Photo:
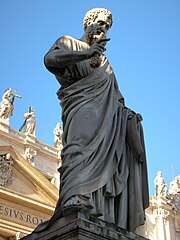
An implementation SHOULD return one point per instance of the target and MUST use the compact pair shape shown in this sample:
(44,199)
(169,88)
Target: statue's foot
(96,215)
(75,204)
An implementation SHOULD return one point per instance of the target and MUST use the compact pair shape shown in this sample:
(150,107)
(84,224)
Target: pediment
(20,180)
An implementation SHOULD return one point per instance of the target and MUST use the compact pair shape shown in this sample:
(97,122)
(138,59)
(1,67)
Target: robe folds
(102,143)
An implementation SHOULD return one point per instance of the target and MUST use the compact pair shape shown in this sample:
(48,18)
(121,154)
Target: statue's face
(159,173)
(98,28)
(8,93)
(103,22)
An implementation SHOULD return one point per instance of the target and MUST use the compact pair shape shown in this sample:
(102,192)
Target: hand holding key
(96,51)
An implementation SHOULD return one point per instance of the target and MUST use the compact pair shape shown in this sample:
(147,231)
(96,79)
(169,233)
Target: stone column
(161,221)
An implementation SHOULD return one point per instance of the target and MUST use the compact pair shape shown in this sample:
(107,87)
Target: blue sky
(144,52)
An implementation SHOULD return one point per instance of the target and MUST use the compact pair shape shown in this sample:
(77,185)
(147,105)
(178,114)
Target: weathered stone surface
(83,227)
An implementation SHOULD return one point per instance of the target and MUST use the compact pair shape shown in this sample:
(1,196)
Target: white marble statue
(58,136)
(175,186)
(161,186)
(30,122)
(6,106)
(30,155)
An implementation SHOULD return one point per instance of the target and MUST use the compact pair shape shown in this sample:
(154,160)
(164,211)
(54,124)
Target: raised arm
(61,58)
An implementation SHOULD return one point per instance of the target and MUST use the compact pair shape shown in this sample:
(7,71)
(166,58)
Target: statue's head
(97,14)
(7,92)
(159,173)
(177,179)
(31,109)
(97,22)
(58,125)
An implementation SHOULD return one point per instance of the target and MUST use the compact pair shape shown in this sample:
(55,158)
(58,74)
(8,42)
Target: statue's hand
(97,48)
(103,41)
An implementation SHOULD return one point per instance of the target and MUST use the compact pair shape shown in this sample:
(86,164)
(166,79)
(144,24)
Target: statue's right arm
(58,58)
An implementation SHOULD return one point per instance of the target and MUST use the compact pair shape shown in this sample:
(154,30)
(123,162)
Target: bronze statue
(103,169)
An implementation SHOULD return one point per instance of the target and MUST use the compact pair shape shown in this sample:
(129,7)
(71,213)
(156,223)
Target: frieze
(19,215)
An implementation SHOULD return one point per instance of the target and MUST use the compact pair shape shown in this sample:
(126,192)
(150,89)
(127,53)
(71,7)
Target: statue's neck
(84,39)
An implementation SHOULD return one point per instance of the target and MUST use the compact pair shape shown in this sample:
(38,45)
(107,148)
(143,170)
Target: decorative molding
(44,188)
(161,213)
(173,200)
(30,154)
(15,237)
(6,162)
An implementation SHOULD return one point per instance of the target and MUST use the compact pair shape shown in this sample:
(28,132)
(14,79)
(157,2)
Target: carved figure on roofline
(175,186)
(6,107)
(29,124)
(161,186)
(7,104)
(58,136)
(103,170)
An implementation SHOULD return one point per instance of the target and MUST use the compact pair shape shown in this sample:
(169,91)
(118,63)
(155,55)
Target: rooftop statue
(29,124)
(175,186)
(7,103)
(103,170)
(161,186)
(58,136)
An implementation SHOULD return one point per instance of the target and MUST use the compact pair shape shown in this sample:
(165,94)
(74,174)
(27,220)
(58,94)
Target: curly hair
(92,14)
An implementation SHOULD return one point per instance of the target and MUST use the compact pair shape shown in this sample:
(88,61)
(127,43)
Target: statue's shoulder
(65,39)
(66,42)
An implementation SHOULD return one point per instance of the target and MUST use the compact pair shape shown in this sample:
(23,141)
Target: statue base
(79,226)
(4,125)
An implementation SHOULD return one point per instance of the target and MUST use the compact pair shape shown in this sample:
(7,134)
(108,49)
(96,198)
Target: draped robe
(101,144)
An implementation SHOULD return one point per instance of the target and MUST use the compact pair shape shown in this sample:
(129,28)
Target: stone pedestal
(79,226)
(4,125)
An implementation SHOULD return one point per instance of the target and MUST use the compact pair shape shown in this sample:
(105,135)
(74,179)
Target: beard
(93,33)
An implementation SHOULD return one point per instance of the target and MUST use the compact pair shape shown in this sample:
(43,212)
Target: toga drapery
(102,142)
